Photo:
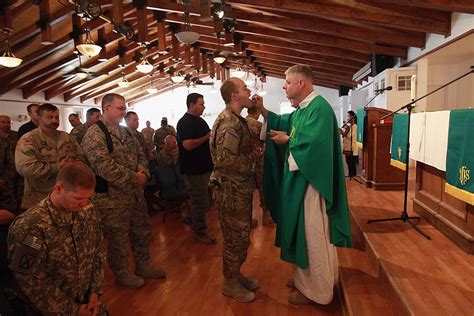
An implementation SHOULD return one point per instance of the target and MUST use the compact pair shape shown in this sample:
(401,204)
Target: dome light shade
(239,73)
(177,78)
(144,66)
(8,59)
(81,75)
(123,83)
(219,57)
(187,37)
(152,90)
(90,50)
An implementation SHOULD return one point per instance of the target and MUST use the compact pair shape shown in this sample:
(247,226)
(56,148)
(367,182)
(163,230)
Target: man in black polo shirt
(196,164)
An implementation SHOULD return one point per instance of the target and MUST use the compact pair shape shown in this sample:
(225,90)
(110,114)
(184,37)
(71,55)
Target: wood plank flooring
(194,276)
(392,270)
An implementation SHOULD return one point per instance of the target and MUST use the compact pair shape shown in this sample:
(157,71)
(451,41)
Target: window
(404,83)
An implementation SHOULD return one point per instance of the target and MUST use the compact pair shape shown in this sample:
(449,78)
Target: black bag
(101,185)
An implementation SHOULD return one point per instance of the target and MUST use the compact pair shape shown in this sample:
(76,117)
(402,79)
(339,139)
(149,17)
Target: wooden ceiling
(334,37)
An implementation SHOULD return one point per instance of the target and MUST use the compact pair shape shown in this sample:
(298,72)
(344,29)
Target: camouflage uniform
(37,159)
(57,259)
(255,128)
(122,209)
(233,183)
(79,132)
(7,174)
(160,135)
(141,140)
(167,158)
(148,132)
(18,183)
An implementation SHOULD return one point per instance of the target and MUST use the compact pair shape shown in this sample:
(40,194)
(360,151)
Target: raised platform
(392,270)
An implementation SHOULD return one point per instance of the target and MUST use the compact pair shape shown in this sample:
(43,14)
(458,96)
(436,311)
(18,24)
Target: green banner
(398,155)
(460,156)
(360,127)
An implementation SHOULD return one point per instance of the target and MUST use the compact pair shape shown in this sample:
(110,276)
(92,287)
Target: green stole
(315,146)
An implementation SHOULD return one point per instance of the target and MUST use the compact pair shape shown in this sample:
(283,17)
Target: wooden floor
(392,270)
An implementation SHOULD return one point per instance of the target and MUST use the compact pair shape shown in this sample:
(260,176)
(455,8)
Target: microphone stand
(409,107)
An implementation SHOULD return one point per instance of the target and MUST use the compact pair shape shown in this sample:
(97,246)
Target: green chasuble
(315,145)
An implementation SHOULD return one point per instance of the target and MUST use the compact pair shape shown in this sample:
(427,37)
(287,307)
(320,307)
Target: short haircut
(227,88)
(73,114)
(76,175)
(193,98)
(46,107)
(91,111)
(129,114)
(109,98)
(30,106)
(5,117)
(301,69)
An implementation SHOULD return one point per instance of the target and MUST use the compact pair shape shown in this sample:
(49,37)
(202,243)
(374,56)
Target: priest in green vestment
(305,189)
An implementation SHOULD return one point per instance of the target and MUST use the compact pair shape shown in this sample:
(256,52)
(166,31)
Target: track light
(217,11)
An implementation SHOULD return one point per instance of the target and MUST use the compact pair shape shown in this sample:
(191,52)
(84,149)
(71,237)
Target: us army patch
(32,242)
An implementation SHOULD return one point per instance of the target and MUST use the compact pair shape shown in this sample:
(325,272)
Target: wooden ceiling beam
(466,6)
(302,36)
(436,15)
(315,82)
(51,68)
(308,48)
(278,55)
(321,25)
(354,13)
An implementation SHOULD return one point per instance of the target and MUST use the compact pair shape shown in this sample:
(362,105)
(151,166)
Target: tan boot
(297,298)
(148,271)
(129,280)
(249,283)
(232,288)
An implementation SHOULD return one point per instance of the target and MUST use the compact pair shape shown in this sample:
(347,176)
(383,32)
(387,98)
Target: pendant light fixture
(124,83)
(187,35)
(8,59)
(218,56)
(151,89)
(89,48)
(144,66)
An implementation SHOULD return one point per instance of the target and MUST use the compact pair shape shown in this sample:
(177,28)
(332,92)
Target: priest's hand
(279,137)
(258,102)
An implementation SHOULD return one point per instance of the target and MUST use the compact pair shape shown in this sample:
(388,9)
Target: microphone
(382,90)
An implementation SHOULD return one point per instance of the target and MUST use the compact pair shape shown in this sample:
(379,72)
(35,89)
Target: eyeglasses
(120,108)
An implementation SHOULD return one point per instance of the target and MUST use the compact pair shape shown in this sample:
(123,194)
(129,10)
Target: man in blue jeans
(196,164)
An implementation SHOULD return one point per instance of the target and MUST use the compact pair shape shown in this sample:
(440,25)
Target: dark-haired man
(92,116)
(74,120)
(196,164)
(161,133)
(55,249)
(117,158)
(34,120)
(41,153)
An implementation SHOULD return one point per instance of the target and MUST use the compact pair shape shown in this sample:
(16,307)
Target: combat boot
(232,288)
(148,271)
(129,280)
(249,283)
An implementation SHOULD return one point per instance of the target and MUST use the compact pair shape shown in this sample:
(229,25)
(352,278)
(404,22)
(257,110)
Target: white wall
(173,104)
(460,24)
(13,105)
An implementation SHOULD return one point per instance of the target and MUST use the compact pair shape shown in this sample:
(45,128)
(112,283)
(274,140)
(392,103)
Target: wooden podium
(377,172)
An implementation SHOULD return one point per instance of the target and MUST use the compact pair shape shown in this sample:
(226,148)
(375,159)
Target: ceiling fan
(84,73)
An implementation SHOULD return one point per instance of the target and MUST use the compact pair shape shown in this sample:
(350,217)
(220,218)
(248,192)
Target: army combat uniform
(141,140)
(57,259)
(233,183)
(160,135)
(122,208)
(7,176)
(37,158)
(79,132)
